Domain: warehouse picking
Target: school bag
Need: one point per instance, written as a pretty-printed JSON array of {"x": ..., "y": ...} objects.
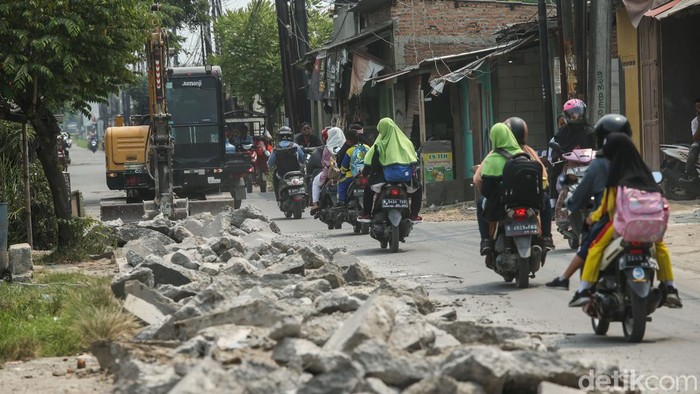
[
  {"x": 287, "y": 160},
  {"x": 357, "y": 160},
  {"x": 522, "y": 181},
  {"x": 640, "y": 216}
]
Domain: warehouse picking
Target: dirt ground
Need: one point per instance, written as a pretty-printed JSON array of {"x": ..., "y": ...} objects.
[{"x": 55, "y": 375}]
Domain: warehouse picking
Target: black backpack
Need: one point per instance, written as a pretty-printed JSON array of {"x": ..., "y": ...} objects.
[
  {"x": 287, "y": 160},
  {"x": 522, "y": 181}
]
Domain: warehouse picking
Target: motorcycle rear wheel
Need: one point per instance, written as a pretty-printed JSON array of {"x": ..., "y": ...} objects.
[
  {"x": 522, "y": 280},
  {"x": 635, "y": 321},
  {"x": 573, "y": 243},
  {"x": 297, "y": 212},
  {"x": 249, "y": 183},
  {"x": 394, "y": 247},
  {"x": 357, "y": 228},
  {"x": 600, "y": 326},
  {"x": 365, "y": 228}
]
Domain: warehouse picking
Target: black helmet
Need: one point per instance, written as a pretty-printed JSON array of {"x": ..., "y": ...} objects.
[
  {"x": 519, "y": 129},
  {"x": 285, "y": 133},
  {"x": 611, "y": 123}
]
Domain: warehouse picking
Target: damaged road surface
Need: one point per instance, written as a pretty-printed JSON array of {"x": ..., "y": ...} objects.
[{"x": 231, "y": 305}]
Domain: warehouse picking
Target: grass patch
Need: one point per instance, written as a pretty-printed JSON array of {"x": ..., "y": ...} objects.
[{"x": 59, "y": 315}]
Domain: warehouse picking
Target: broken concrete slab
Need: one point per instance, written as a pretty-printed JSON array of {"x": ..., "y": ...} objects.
[
  {"x": 358, "y": 273},
  {"x": 330, "y": 272},
  {"x": 344, "y": 378},
  {"x": 373, "y": 320},
  {"x": 287, "y": 327},
  {"x": 290, "y": 264},
  {"x": 140, "y": 274},
  {"x": 172, "y": 274},
  {"x": 392, "y": 366},
  {"x": 162, "y": 303},
  {"x": 444, "y": 385},
  {"x": 315, "y": 256},
  {"x": 295, "y": 352},
  {"x": 132, "y": 232},
  {"x": 337, "y": 300},
  {"x": 185, "y": 258},
  {"x": 20, "y": 259}
]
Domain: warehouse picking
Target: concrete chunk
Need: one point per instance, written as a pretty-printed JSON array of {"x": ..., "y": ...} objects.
[{"x": 20, "y": 258}]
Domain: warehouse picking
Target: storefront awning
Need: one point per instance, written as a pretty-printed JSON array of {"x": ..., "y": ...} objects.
[
  {"x": 466, "y": 71},
  {"x": 671, "y": 8}
]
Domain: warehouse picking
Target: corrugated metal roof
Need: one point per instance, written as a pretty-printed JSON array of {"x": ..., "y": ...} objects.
[{"x": 677, "y": 6}]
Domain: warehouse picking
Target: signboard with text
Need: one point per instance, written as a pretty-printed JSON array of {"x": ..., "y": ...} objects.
[{"x": 437, "y": 161}]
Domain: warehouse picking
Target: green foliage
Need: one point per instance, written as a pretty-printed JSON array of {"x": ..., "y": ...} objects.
[
  {"x": 91, "y": 238},
  {"x": 138, "y": 90},
  {"x": 74, "y": 51},
  {"x": 250, "y": 54},
  {"x": 49, "y": 318},
  {"x": 320, "y": 23},
  {"x": 12, "y": 192}
]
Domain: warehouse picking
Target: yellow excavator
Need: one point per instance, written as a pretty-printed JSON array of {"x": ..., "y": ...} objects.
[{"x": 140, "y": 159}]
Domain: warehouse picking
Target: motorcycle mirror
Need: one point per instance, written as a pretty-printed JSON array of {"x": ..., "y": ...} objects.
[{"x": 658, "y": 176}]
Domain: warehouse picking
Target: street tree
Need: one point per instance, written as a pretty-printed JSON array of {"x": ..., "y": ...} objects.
[
  {"x": 59, "y": 53},
  {"x": 250, "y": 55}
]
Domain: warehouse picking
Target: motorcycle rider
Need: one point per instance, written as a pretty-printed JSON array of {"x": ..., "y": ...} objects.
[
  {"x": 346, "y": 170},
  {"x": 590, "y": 186},
  {"x": 284, "y": 154},
  {"x": 691, "y": 173},
  {"x": 627, "y": 168},
  {"x": 306, "y": 139},
  {"x": 487, "y": 179},
  {"x": 391, "y": 147},
  {"x": 576, "y": 134},
  {"x": 335, "y": 141},
  {"x": 520, "y": 130}
]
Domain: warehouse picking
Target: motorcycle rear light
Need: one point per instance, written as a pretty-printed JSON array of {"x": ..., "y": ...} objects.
[
  {"x": 112, "y": 174},
  {"x": 636, "y": 247},
  {"x": 218, "y": 170},
  {"x": 132, "y": 181},
  {"x": 362, "y": 181},
  {"x": 520, "y": 213},
  {"x": 394, "y": 192}
]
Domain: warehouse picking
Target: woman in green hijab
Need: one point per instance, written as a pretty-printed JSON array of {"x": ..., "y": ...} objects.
[
  {"x": 391, "y": 153},
  {"x": 487, "y": 179}
]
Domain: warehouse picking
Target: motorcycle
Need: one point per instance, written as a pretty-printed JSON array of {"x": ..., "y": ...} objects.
[
  {"x": 92, "y": 145},
  {"x": 293, "y": 198},
  {"x": 390, "y": 220},
  {"x": 624, "y": 291},
  {"x": 570, "y": 224},
  {"x": 515, "y": 254},
  {"x": 260, "y": 165},
  {"x": 328, "y": 212},
  {"x": 250, "y": 177},
  {"x": 355, "y": 205},
  {"x": 672, "y": 168}
]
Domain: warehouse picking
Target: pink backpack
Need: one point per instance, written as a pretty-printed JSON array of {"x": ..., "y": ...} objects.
[{"x": 640, "y": 216}]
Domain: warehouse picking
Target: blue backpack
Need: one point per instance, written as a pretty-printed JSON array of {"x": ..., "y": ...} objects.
[{"x": 357, "y": 160}]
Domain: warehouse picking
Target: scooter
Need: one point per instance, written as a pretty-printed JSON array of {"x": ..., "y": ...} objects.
[
  {"x": 293, "y": 198},
  {"x": 328, "y": 212},
  {"x": 92, "y": 145},
  {"x": 672, "y": 168},
  {"x": 517, "y": 253},
  {"x": 391, "y": 221},
  {"x": 570, "y": 224},
  {"x": 625, "y": 290},
  {"x": 249, "y": 151}
]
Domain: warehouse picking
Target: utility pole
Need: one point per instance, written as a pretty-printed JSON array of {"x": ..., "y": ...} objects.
[
  {"x": 546, "y": 72},
  {"x": 27, "y": 193},
  {"x": 564, "y": 46},
  {"x": 301, "y": 33},
  {"x": 599, "y": 76},
  {"x": 288, "y": 80},
  {"x": 580, "y": 24}
]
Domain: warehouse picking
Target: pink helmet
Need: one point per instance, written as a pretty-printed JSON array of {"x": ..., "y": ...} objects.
[{"x": 574, "y": 111}]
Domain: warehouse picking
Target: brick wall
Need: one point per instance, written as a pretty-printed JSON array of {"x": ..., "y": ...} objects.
[{"x": 429, "y": 28}]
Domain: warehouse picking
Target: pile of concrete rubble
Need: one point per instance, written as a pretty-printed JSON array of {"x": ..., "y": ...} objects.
[{"x": 230, "y": 305}]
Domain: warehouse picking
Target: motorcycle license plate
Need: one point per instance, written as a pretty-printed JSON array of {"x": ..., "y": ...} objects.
[
  {"x": 296, "y": 190},
  {"x": 394, "y": 203},
  {"x": 515, "y": 229}
]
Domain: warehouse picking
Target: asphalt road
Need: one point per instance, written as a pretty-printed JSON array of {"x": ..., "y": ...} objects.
[{"x": 444, "y": 258}]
